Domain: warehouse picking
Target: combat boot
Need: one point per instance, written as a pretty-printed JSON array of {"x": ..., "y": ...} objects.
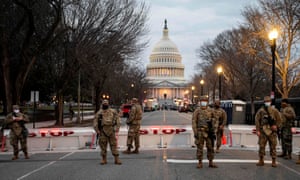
[
  {"x": 274, "y": 162},
  {"x": 127, "y": 151},
  {"x": 282, "y": 155},
  {"x": 136, "y": 151},
  {"x": 199, "y": 166},
  {"x": 15, "y": 157},
  {"x": 261, "y": 161},
  {"x": 117, "y": 160},
  {"x": 26, "y": 155},
  {"x": 288, "y": 156},
  {"x": 211, "y": 164},
  {"x": 103, "y": 161}
]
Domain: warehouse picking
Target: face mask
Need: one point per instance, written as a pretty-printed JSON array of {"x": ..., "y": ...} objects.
[
  {"x": 16, "y": 111},
  {"x": 104, "y": 107},
  {"x": 267, "y": 104},
  {"x": 203, "y": 103}
]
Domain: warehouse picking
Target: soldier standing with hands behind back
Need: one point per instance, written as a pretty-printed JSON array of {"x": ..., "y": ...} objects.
[
  {"x": 203, "y": 125},
  {"x": 267, "y": 119},
  {"x": 134, "y": 123},
  {"x": 221, "y": 120},
  {"x": 18, "y": 132},
  {"x": 288, "y": 116},
  {"x": 106, "y": 123}
]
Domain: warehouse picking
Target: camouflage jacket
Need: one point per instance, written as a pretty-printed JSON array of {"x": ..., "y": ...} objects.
[
  {"x": 135, "y": 114},
  {"x": 261, "y": 116},
  {"x": 220, "y": 116},
  {"x": 200, "y": 118},
  {"x": 110, "y": 121},
  {"x": 16, "y": 126},
  {"x": 288, "y": 116}
]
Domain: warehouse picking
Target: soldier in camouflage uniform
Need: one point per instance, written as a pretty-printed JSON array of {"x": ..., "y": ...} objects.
[
  {"x": 267, "y": 119},
  {"x": 288, "y": 116},
  {"x": 106, "y": 124},
  {"x": 201, "y": 118},
  {"x": 134, "y": 123},
  {"x": 18, "y": 132},
  {"x": 221, "y": 120}
]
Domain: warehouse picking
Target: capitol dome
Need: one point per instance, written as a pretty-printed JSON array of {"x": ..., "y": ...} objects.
[
  {"x": 165, "y": 60},
  {"x": 165, "y": 71}
]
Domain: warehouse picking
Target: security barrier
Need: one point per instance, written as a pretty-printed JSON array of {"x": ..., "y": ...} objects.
[{"x": 51, "y": 139}]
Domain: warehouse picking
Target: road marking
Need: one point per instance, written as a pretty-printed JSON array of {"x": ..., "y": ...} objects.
[
  {"x": 216, "y": 160},
  {"x": 36, "y": 170},
  {"x": 290, "y": 169},
  {"x": 46, "y": 165}
]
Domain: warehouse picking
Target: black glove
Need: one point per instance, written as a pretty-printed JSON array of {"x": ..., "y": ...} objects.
[{"x": 196, "y": 136}]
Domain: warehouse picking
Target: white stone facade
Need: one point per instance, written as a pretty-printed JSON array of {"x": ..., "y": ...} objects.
[{"x": 165, "y": 71}]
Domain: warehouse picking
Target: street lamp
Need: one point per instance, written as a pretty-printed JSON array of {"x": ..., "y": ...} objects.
[
  {"x": 220, "y": 70},
  {"x": 193, "y": 88},
  {"x": 201, "y": 84},
  {"x": 273, "y": 36}
]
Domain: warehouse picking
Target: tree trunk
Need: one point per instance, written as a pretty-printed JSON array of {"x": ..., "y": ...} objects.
[
  {"x": 6, "y": 77},
  {"x": 60, "y": 110}
]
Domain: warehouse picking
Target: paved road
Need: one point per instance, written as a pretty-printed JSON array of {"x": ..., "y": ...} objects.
[
  {"x": 149, "y": 164},
  {"x": 164, "y": 163}
]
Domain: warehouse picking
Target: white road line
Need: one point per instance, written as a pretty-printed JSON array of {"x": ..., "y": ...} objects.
[
  {"x": 290, "y": 169},
  {"x": 46, "y": 165},
  {"x": 36, "y": 170},
  {"x": 216, "y": 160},
  {"x": 66, "y": 155}
]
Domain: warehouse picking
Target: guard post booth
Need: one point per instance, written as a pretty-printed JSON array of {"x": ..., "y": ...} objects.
[{"x": 235, "y": 110}]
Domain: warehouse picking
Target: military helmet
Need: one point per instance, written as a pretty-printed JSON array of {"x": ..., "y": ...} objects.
[
  {"x": 267, "y": 98},
  {"x": 203, "y": 98},
  {"x": 16, "y": 107},
  {"x": 134, "y": 100}
]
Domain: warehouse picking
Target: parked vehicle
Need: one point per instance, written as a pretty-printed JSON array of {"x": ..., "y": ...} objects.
[{"x": 126, "y": 109}]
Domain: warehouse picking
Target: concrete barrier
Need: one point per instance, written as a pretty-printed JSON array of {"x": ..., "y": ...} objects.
[
  {"x": 52, "y": 139},
  {"x": 245, "y": 136}
]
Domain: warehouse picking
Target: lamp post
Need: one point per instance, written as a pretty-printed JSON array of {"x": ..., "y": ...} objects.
[
  {"x": 193, "y": 88},
  {"x": 132, "y": 90},
  {"x": 220, "y": 70},
  {"x": 273, "y": 36},
  {"x": 201, "y": 85}
]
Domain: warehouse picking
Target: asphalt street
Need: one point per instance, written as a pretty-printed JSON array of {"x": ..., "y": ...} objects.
[{"x": 149, "y": 164}]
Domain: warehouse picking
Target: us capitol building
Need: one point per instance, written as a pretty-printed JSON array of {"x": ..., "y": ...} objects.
[{"x": 165, "y": 72}]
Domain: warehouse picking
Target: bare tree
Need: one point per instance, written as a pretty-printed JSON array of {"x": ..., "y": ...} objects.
[
  {"x": 27, "y": 28},
  {"x": 284, "y": 16}
]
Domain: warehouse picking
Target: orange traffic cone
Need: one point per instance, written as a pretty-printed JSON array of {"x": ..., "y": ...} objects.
[{"x": 224, "y": 139}]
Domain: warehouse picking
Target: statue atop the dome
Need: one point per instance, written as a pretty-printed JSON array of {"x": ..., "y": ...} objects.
[{"x": 166, "y": 27}]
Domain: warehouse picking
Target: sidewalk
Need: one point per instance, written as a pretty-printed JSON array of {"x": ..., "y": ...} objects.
[{"x": 52, "y": 122}]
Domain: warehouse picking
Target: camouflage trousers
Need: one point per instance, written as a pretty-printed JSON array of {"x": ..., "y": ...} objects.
[
  {"x": 14, "y": 141},
  {"x": 219, "y": 137},
  {"x": 133, "y": 135},
  {"x": 262, "y": 142},
  {"x": 286, "y": 140},
  {"x": 203, "y": 138},
  {"x": 104, "y": 140}
]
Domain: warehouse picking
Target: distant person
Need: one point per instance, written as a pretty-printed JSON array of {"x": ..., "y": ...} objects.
[
  {"x": 106, "y": 124},
  {"x": 18, "y": 132},
  {"x": 288, "y": 117},
  {"x": 204, "y": 131},
  {"x": 71, "y": 111},
  {"x": 134, "y": 123},
  {"x": 267, "y": 120},
  {"x": 221, "y": 120}
]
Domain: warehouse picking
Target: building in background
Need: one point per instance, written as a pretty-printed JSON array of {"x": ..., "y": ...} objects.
[{"x": 165, "y": 73}]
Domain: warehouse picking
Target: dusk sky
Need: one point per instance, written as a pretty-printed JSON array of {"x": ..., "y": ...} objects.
[{"x": 190, "y": 23}]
